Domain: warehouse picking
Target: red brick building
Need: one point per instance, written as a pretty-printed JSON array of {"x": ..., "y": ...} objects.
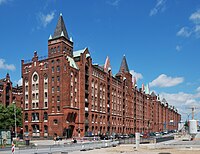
[
  {"x": 65, "y": 93},
  {"x": 8, "y": 93}
]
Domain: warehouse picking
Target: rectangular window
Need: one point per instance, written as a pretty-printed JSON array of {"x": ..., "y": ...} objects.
[
  {"x": 58, "y": 98},
  {"x": 45, "y": 104},
  {"x": 45, "y": 95},
  {"x": 58, "y": 78},
  {"x": 52, "y": 90},
  {"x": 26, "y": 106},
  {"x": 45, "y": 85},
  {"x": 33, "y": 96},
  {"x": 26, "y": 97},
  {"x": 58, "y": 108},
  {"x": 36, "y": 86},
  {"x": 26, "y": 88},
  {"x": 58, "y": 89},
  {"x": 52, "y": 79},
  {"x": 58, "y": 68},
  {"x": 37, "y": 105},
  {"x": 37, "y": 96},
  {"x": 52, "y": 69},
  {"x": 33, "y": 87}
]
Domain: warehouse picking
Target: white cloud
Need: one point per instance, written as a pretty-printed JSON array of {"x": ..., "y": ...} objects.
[
  {"x": 5, "y": 66},
  {"x": 46, "y": 19},
  {"x": 194, "y": 29},
  {"x": 114, "y": 3},
  {"x": 184, "y": 31},
  {"x": 182, "y": 101},
  {"x": 19, "y": 82},
  {"x": 198, "y": 89},
  {"x": 195, "y": 17},
  {"x": 166, "y": 81},
  {"x": 137, "y": 75},
  {"x": 3, "y": 1},
  {"x": 178, "y": 48},
  {"x": 159, "y": 7}
]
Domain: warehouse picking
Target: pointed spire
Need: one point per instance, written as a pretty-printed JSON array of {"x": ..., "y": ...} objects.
[
  {"x": 107, "y": 66},
  {"x": 71, "y": 39},
  {"x": 50, "y": 37},
  {"x": 143, "y": 89},
  {"x": 134, "y": 82},
  {"x": 62, "y": 34},
  {"x": 7, "y": 76},
  {"x": 124, "y": 65},
  {"x": 147, "y": 90},
  {"x": 60, "y": 28}
]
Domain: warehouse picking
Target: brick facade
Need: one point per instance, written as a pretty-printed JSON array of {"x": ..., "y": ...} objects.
[
  {"x": 8, "y": 93},
  {"x": 66, "y": 94}
]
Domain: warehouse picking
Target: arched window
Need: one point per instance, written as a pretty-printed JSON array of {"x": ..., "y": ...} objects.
[{"x": 55, "y": 121}]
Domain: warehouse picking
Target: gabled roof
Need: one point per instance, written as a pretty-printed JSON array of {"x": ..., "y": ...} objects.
[
  {"x": 72, "y": 62},
  {"x": 60, "y": 29},
  {"x": 153, "y": 94},
  {"x": 78, "y": 52},
  {"x": 124, "y": 65}
]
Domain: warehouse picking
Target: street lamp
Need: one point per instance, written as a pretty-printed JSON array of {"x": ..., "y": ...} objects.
[{"x": 15, "y": 119}]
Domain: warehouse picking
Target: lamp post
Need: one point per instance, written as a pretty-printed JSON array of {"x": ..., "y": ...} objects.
[{"x": 15, "y": 119}]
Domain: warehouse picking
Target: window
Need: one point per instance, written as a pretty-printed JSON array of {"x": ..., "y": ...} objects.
[
  {"x": 45, "y": 95},
  {"x": 58, "y": 98},
  {"x": 58, "y": 89},
  {"x": 26, "y": 117},
  {"x": 58, "y": 108},
  {"x": 36, "y": 95},
  {"x": 26, "y": 97},
  {"x": 52, "y": 62},
  {"x": 45, "y": 65},
  {"x": 35, "y": 77},
  {"x": 52, "y": 79},
  {"x": 36, "y": 86},
  {"x": 45, "y": 116},
  {"x": 52, "y": 69},
  {"x": 58, "y": 68},
  {"x": 26, "y": 128},
  {"x": 33, "y": 87},
  {"x": 26, "y": 88},
  {"x": 52, "y": 89},
  {"x": 55, "y": 121},
  {"x": 65, "y": 67},
  {"x": 35, "y": 128},
  {"x": 58, "y": 48},
  {"x": 35, "y": 116},
  {"x": 45, "y": 85},
  {"x": 45, "y": 104},
  {"x": 45, "y": 129},
  {"x": 26, "y": 70},
  {"x": 33, "y": 96},
  {"x": 58, "y": 78}
]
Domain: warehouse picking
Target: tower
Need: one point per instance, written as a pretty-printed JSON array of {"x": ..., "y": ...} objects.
[{"x": 60, "y": 43}]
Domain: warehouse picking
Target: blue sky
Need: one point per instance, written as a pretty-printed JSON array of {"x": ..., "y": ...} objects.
[{"x": 160, "y": 38}]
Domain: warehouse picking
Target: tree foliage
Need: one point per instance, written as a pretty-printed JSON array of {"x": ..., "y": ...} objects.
[{"x": 7, "y": 117}]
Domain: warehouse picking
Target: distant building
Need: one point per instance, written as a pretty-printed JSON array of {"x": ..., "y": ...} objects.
[
  {"x": 66, "y": 94},
  {"x": 8, "y": 93}
]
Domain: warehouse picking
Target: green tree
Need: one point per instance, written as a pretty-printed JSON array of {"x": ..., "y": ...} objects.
[{"x": 7, "y": 117}]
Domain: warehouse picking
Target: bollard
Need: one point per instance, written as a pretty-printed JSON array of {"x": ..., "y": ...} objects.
[{"x": 137, "y": 140}]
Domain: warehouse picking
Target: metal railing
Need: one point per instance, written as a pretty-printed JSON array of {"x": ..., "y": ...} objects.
[{"x": 65, "y": 148}]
